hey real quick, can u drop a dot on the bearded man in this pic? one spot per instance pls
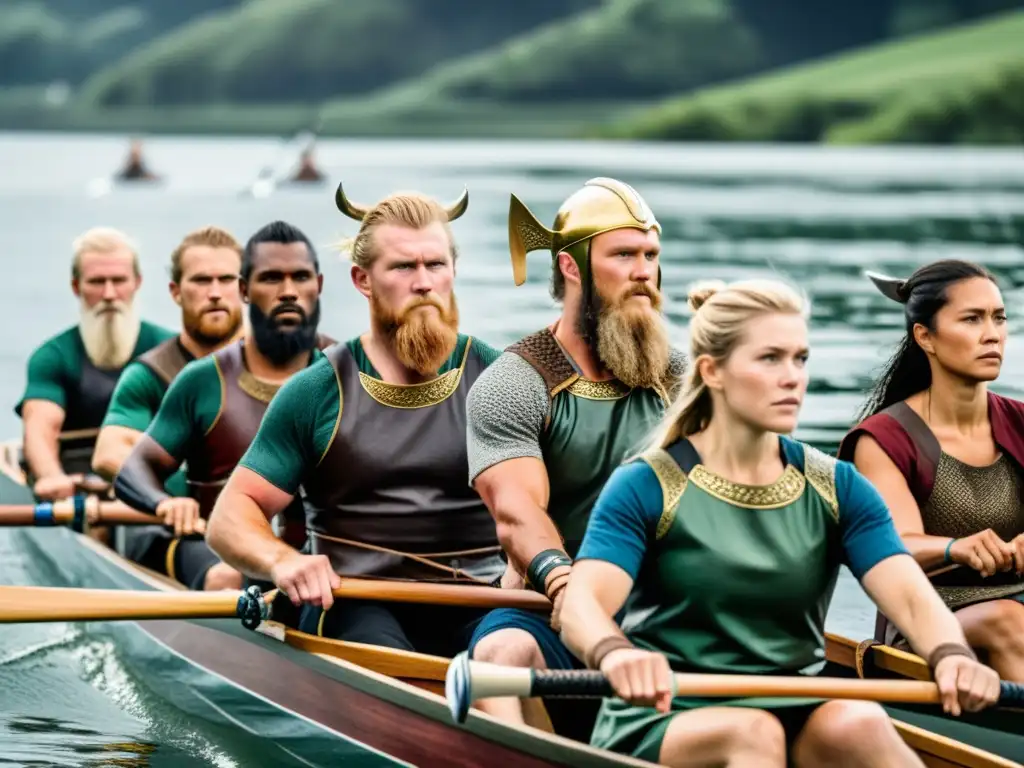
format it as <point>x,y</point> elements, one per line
<point>205,269</point>
<point>375,434</point>
<point>213,408</point>
<point>72,375</point>
<point>561,409</point>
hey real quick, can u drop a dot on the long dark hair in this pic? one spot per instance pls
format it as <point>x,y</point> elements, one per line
<point>923,294</point>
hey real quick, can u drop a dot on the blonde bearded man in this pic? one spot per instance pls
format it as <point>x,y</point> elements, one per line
<point>561,409</point>
<point>375,435</point>
<point>72,375</point>
<point>205,270</point>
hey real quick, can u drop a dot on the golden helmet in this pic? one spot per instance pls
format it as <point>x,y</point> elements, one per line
<point>600,205</point>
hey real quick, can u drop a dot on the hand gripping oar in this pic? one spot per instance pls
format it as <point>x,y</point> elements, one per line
<point>76,512</point>
<point>43,604</point>
<point>468,681</point>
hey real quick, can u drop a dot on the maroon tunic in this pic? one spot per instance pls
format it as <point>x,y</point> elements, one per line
<point>906,440</point>
<point>909,443</point>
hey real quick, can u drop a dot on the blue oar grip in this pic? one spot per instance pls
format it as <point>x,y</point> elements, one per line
<point>78,521</point>
<point>1011,694</point>
<point>43,514</point>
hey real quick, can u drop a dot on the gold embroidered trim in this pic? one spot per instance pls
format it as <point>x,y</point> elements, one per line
<point>787,489</point>
<point>169,558</point>
<point>415,395</point>
<point>255,388</point>
<point>598,390</point>
<point>337,421</point>
<point>223,394</point>
<point>820,469</point>
<point>672,480</point>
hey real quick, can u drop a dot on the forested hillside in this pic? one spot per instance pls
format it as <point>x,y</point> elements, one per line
<point>528,67</point>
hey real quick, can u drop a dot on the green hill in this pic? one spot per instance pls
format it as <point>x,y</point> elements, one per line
<point>47,40</point>
<point>958,85</point>
<point>305,50</point>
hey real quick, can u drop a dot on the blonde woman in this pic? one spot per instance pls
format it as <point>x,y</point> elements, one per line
<point>730,536</point>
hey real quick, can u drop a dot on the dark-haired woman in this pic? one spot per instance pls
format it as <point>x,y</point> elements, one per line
<point>947,455</point>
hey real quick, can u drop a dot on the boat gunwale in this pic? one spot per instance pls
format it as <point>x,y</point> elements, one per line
<point>394,691</point>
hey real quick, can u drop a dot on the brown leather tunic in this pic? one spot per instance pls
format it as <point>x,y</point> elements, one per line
<point>243,402</point>
<point>167,359</point>
<point>390,498</point>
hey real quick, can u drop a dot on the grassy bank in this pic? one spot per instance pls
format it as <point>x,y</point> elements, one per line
<point>958,86</point>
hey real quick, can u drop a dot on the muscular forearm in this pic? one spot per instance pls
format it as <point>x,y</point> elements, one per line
<point>241,535</point>
<point>139,485</point>
<point>42,453</point>
<point>525,533</point>
<point>928,551</point>
<point>113,447</point>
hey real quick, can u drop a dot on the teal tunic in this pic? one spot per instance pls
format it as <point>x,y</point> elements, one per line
<point>731,578</point>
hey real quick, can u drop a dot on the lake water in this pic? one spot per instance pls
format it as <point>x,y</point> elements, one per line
<point>816,216</point>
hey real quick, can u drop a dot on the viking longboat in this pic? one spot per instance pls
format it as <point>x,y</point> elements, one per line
<point>311,701</point>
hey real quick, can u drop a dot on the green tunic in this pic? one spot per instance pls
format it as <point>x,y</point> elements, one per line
<point>55,368</point>
<point>731,578</point>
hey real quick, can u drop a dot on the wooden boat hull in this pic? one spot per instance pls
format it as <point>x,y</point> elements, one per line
<point>313,707</point>
<point>309,701</point>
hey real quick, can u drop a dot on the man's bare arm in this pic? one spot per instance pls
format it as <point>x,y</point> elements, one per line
<point>239,527</point>
<point>43,421</point>
<point>516,492</point>
<point>113,446</point>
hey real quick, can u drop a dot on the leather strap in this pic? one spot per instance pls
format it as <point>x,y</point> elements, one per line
<point>605,646</point>
<point>948,649</point>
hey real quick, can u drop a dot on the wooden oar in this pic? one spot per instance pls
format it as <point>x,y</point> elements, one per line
<point>467,681</point>
<point>76,512</point>
<point>78,434</point>
<point>45,604</point>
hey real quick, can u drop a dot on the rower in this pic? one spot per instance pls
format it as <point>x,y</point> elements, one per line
<point>947,454</point>
<point>134,168</point>
<point>729,536</point>
<point>307,170</point>
<point>560,409</point>
<point>214,406</point>
<point>71,376</point>
<point>205,269</point>
<point>375,434</point>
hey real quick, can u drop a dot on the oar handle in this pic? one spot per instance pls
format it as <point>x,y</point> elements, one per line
<point>76,512</point>
<point>468,681</point>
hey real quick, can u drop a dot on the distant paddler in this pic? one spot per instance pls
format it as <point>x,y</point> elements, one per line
<point>135,168</point>
<point>212,409</point>
<point>307,170</point>
<point>726,537</point>
<point>72,375</point>
<point>375,434</point>
<point>205,269</point>
<point>947,454</point>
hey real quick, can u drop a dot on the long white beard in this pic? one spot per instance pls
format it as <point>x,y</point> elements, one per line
<point>109,337</point>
